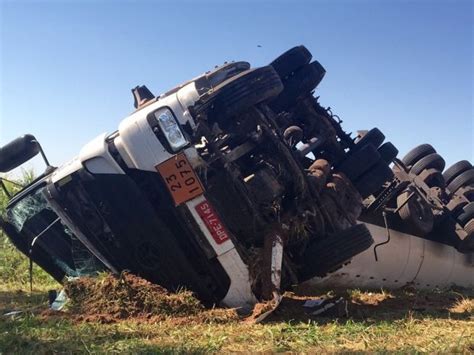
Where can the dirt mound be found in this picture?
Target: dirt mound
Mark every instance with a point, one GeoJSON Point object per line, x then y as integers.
{"type": "Point", "coordinates": [112, 298]}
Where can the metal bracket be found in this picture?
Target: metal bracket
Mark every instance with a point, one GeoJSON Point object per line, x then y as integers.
{"type": "Point", "coordinates": [388, 235]}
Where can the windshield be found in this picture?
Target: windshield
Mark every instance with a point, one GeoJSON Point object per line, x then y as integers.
{"type": "Point", "coordinates": [26, 208]}
{"type": "Point", "coordinates": [34, 220]}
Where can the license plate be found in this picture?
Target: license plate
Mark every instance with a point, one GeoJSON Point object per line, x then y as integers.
{"type": "Point", "coordinates": [212, 222]}
{"type": "Point", "coordinates": [180, 179]}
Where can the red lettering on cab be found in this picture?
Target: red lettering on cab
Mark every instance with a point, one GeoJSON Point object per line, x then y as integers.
{"type": "Point", "coordinates": [212, 222]}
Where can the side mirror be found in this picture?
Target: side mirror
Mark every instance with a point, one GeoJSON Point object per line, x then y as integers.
{"type": "Point", "coordinates": [19, 151]}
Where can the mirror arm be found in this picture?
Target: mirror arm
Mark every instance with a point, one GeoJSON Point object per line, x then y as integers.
{"type": "Point", "coordinates": [43, 155]}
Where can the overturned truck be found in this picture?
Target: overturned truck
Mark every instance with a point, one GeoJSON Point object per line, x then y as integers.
{"type": "Point", "coordinates": [236, 185]}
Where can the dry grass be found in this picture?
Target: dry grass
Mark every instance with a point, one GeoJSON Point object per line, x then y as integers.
{"type": "Point", "coordinates": [374, 298]}
{"type": "Point", "coordinates": [403, 321]}
{"type": "Point", "coordinates": [464, 305]}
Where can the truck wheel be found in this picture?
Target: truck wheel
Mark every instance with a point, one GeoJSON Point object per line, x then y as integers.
{"type": "Point", "coordinates": [372, 180]}
{"type": "Point", "coordinates": [467, 214]}
{"type": "Point", "coordinates": [303, 81]}
{"type": "Point", "coordinates": [374, 137]}
{"type": "Point", "coordinates": [225, 72]}
{"type": "Point", "coordinates": [431, 161]}
{"type": "Point", "coordinates": [467, 192]}
{"type": "Point", "coordinates": [432, 178]}
{"type": "Point", "coordinates": [456, 205]}
{"type": "Point", "coordinates": [464, 179]}
{"type": "Point", "coordinates": [239, 93]}
{"type": "Point", "coordinates": [467, 244]}
{"type": "Point", "coordinates": [327, 254]}
{"type": "Point", "coordinates": [388, 152]}
{"type": "Point", "coordinates": [455, 170]}
{"type": "Point", "coordinates": [469, 228]}
{"type": "Point", "coordinates": [416, 212]}
{"type": "Point", "coordinates": [417, 153]}
{"type": "Point", "coordinates": [291, 60]}
{"type": "Point", "coordinates": [359, 161]}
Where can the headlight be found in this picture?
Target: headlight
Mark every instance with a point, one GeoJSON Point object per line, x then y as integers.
{"type": "Point", "coordinates": [171, 130]}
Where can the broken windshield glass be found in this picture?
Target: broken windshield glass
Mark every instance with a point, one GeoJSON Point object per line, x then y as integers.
{"type": "Point", "coordinates": [27, 207]}
{"type": "Point", "coordinates": [34, 219]}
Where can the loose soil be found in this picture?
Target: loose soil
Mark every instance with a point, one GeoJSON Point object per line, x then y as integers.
{"type": "Point", "coordinates": [111, 298]}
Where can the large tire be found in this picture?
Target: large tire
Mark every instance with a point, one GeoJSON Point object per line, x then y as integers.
{"type": "Point", "coordinates": [467, 244]}
{"type": "Point", "coordinates": [225, 72]}
{"type": "Point", "coordinates": [467, 192]}
{"type": "Point", "coordinates": [291, 60]}
{"type": "Point", "coordinates": [360, 161]}
{"type": "Point", "coordinates": [456, 205]}
{"type": "Point", "coordinates": [239, 93]}
{"type": "Point", "coordinates": [417, 153]}
{"type": "Point", "coordinates": [373, 180]}
{"type": "Point", "coordinates": [431, 161]}
{"type": "Point", "coordinates": [211, 79]}
{"type": "Point", "coordinates": [416, 212]}
{"type": "Point", "coordinates": [467, 214]}
{"type": "Point", "coordinates": [374, 137]}
{"type": "Point", "coordinates": [469, 227]}
{"type": "Point", "coordinates": [301, 83]}
{"type": "Point", "coordinates": [326, 255]}
{"type": "Point", "coordinates": [455, 170]}
{"type": "Point", "coordinates": [432, 178]}
{"type": "Point", "coordinates": [388, 152]}
{"type": "Point", "coordinates": [464, 179]}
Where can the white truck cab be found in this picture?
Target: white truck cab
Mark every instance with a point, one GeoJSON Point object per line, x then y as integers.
{"type": "Point", "coordinates": [150, 138]}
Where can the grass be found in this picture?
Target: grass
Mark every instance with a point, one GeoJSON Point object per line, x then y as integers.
{"type": "Point", "coordinates": [33, 335]}
{"type": "Point", "coordinates": [14, 270]}
{"type": "Point", "coordinates": [374, 324]}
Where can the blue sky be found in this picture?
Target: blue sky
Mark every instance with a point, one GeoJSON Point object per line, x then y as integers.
{"type": "Point", "coordinates": [67, 67]}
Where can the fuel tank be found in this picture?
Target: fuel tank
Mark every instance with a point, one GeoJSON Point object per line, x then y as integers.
{"type": "Point", "coordinates": [405, 259]}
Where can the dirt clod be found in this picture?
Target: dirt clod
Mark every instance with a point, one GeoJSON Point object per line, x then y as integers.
{"type": "Point", "coordinates": [112, 298]}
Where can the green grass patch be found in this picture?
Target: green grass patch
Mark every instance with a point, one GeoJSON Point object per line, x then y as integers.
{"type": "Point", "coordinates": [14, 270]}
{"type": "Point", "coordinates": [421, 328]}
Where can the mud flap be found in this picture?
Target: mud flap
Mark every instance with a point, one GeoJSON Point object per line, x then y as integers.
{"type": "Point", "coordinates": [273, 260]}
{"type": "Point", "coordinates": [272, 306]}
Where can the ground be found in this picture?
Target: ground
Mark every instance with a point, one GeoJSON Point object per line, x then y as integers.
{"type": "Point", "coordinates": [402, 320]}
